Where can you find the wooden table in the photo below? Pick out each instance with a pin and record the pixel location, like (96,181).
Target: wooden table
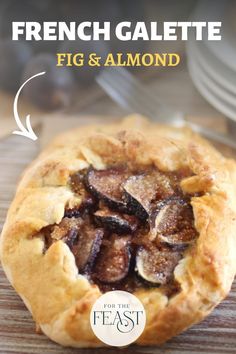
(217,334)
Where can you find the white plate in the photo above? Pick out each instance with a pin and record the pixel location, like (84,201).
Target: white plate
(213,85)
(223,11)
(206,88)
(220,73)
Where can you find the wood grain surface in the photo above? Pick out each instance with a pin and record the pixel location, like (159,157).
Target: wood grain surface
(216,334)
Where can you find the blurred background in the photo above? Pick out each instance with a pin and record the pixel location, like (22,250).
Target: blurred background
(202,85)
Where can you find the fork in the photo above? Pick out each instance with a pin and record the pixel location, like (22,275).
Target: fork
(129,93)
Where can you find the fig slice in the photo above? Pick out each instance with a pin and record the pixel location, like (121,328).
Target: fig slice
(156,266)
(180,240)
(71,237)
(88,245)
(77,186)
(66,229)
(172,222)
(113,261)
(83,239)
(116,222)
(72,213)
(165,217)
(144,189)
(106,185)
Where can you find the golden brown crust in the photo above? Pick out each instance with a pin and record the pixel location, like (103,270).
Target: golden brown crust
(58,298)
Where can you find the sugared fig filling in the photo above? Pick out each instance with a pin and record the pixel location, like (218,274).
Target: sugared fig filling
(131,229)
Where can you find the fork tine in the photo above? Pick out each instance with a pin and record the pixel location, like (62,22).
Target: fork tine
(121,85)
(136,92)
(123,93)
(125,89)
(131,80)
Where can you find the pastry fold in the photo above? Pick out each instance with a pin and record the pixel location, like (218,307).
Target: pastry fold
(59,298)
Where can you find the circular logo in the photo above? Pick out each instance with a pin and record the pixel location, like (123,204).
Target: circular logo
(118,318)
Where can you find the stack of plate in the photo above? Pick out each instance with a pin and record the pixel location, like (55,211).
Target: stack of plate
(212,64)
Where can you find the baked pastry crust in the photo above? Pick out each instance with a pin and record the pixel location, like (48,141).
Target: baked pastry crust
(58,298)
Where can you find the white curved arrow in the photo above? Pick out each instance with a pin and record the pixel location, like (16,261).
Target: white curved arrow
(28,131)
